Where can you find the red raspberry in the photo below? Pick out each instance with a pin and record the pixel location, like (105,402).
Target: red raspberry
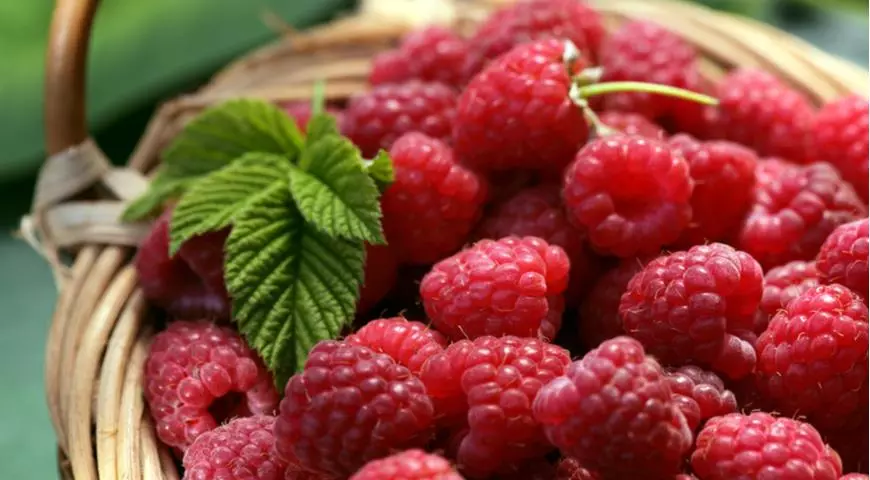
(644,51)
(631,194)
(511,286)
(410,344)
(700,394)
(530,20)
(843,257)
(761,446)
(244,448)
(632,124)
(376,118)
(408,465)
(190,284)
(794,210)
(348,406)
(381,271)
(433,204)
(812,359)
(490,383)
(516,113)
(599,312)
(570,469)
(724,175)
(781,285)
(613,411)
(692,307)
(300,112)
(854,476)
(199,374)
(759,111)
(566,469)
(433,54)
(841,136)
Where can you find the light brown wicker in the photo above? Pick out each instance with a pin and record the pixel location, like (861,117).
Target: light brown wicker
(100,330)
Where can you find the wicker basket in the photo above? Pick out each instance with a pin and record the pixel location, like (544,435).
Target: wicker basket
(100,333)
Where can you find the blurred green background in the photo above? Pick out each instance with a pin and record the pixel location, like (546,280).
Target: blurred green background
(146,51)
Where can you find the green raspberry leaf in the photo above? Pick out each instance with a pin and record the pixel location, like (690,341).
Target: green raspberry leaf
(333,191)
(292,285)
(163,188)
(381,170)
(224,132)
(319,126)
(214,202)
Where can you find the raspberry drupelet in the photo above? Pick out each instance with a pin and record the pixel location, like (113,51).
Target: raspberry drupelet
(840,132)
(634,124)
(243,449)
(412,464)
(510,286)
(843,257)
(700,394)
(410,344)
(631,195)
(432,54)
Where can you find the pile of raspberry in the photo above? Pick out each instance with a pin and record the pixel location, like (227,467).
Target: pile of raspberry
(659,290)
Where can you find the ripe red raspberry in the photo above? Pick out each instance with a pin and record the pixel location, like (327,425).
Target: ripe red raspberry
(376,118)
(794,210)
(381,271)
(410,344)
(812,359)
(724,175)
(531,20)
(854,476)
(633,124)
(841,135)
(190,284)
(599,313)
(434,202)
(843,257)
(700,394)
(408,465)
(760,111)
(433,54)
(490,383)
(613,411)
(692,307)
(759,445)
(510,286)
(199,374)
(243,449)
(516,113)
(348,406)
(644,51)
(631,194)
(781,285)
(300,111)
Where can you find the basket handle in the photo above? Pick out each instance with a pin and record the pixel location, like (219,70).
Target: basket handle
(69,35)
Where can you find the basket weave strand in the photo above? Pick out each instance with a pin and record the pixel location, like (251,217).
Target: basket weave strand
(100,332)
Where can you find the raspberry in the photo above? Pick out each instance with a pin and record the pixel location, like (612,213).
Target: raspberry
(491,382)
(433,204)
(632,124)
(691,307)
(843,257)
(408,465)
(300,112)
(433,54)
(190,284)
(724,175)
(410,344)
(781,285)
(701,395)
(630,194)
(854,476)
(516,112)
(812,359)
(759,445)
(570,469)
(566,469)
(199,374)
(840,133)
(348,406)
(794,210)
(510,286)
(381,271)
(613,411)
(599,312)
(759,111)
(244,448)
(644,51)
(530,20)
(376,118)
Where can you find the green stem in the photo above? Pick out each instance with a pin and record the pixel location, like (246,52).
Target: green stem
(587,91)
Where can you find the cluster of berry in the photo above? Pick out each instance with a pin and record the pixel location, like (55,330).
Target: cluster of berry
(702,266)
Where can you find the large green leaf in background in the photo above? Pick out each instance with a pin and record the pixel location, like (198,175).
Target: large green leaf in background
(140,48)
